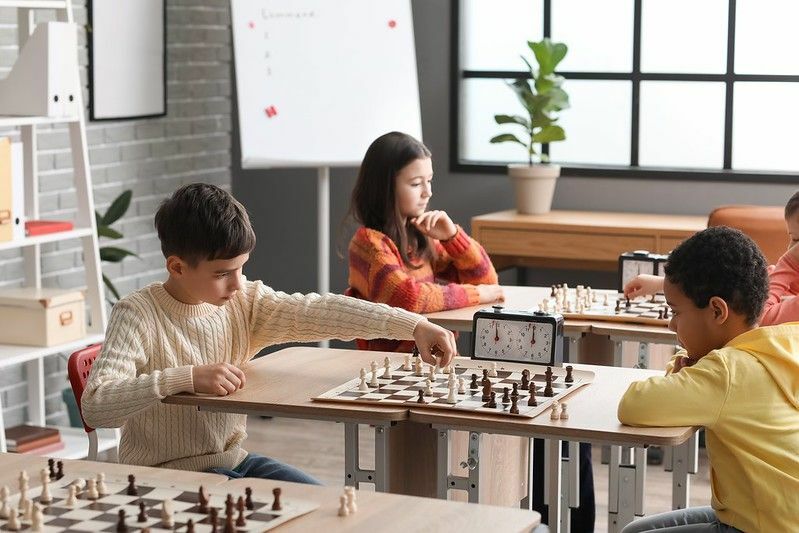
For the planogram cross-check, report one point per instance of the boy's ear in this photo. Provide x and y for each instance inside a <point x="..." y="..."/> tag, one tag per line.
<point x="175" y="266"/>
<point x="719" y="309"/>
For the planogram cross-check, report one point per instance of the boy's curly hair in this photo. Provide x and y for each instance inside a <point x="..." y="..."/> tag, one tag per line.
<point x="723" y="262"/>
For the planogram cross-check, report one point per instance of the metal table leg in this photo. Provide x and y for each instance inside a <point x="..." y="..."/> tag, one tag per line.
<point x="684" y="461"/>
<point x="445" y="481"/>
<point x="552" y="480"/>
<point x="354" y="475"/>
<point x="626" y="480"/>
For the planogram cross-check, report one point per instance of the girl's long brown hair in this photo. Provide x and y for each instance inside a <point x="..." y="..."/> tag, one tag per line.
<point x="373" y="204"/>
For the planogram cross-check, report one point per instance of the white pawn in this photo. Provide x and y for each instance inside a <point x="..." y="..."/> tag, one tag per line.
<point x="352" y="506"/>
<point x="102" y="489"/>
<point x="45" y="496"/>
<point x="564" y="414"/>
<point x="36" y="518"/>
<point x="362" y="386"/>
<point x="428" y="390"/>
<point x="342" y="508"/>
<point x="71" y="496"/>
<point x="91" y="489"/>
<point x="606" y="301"/>
<point x="79" y="484"/>
<point x="4" y="505"/>
<point x="446" y="370"/>
<point x="13" y="521"/>
<point x="407" y="364"/>
<point x="461" y="386"/>
<point x="452" y="397"/>
<point x="28" y="510"/>
<point x="452" y="379"/>
<point x="166" y="514"/>
<point x="492" y="370"/>
<point x="387" y="368"/>
<point x="555" y="414"/>
<point x="417" y="368"/>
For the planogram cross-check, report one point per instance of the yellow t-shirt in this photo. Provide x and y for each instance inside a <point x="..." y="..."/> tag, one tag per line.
<point x="746" y="395"/>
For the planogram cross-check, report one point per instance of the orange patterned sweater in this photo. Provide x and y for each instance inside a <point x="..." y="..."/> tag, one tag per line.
<point x="378" y="274"/>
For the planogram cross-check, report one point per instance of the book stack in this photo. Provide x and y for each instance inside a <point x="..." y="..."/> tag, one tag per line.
<point x="35" y="440"/>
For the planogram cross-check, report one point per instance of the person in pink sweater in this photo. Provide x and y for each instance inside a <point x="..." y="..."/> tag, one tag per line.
<point x="783" y="281"/>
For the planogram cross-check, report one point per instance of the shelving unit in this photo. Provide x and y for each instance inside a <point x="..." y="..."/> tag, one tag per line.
<point x="85" y="230"/>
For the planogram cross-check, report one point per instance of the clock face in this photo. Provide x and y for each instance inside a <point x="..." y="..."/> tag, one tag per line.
<point x="513" y="340"/>
<point x="632" y="268"/>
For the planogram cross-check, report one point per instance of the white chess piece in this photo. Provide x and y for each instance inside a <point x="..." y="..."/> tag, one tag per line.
<point x="606" y="300"/>
<point x="452" y="397"/>
<point x="91" y="489"/>
<point x="26" y="513"/>
<point x="71" y="496"/>
<point x="407" y="364"/>
<point x="492" y="370"/>
<point x="362" y="386"/>
<point x="428" y="389"/>
<point x="167" y="516"/>
<point x="386" y="368"/>
<point x="451" y="379"/>
<point x="461" y="386"/>
<point x="417" y="368"/>
<point x="431" y="373"/>
<point x="352" y="506"/>
<point x="13" y="521"/>
<point x="45" y="497"/>
<point x="79" y="484"/>
<point x="102" y="489"/>
<point x="555" y="415"/>
<point x="36" y="517"/>
<point x="564" y="414"/>
<point x="23" y="499"/>
<point x="342" y="508"/>
<point x="373" y="382"/>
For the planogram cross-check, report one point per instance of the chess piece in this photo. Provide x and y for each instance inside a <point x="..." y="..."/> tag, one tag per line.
<point x="142" y="513"/>
<point x="515" y="392"/>
<point x="132" y="490"/>
<point x="79" y="484"/>
<point x="428" y="389"/>
<point x="373" y="382"/>
<point x="45" y="497"/>
<point x="548" y="392"/>
<point x="4" y="502"/>
<point x="121" y="526"/>
<point x="531" y="400"/>
<point x="627" y="303"/>
<point x="248" y="498"/>
<point x="23" y="488"/>
<point x="102" y="489"/>
<point x="202" y="499"/>
<point x="606" y="300"/>
<point x="452" y="397"/>
<point x="213" y="516"/>
<point x="27" y="510"/>
<point x="342" y="509"/>
<point x="59" y="470"/>
<point x="386" y="368"/>
<point x="461" y="386"/>
<point x="420" y="399"/>
<point x="452" y="380"/>
<point x="276" y="505"/>
<point x="240" y="521"/>
<point x="505" y="396"/>
<point x="514" y="404"/>
<point x="13" y="520"/>
<point x="618" y="306"/>
<point x="486" y="391"/>
<point x="23" y="500"/>
<point x="91" y="489"/>
<point x="51" y="468"/>
<point x="190" y="526"/>
<point x="525" y="378"/>
<point x="555" y="414"/>
<point x="660" y="314"/>
<point x="352" y="506"/>
<point x="167" y="516"/>
<point x="552" y="293"/>
<point x="417" y="368"/>
<point x="564" y="414"/>
<point x="229" y="526"/>
<point x="37" y="517"/>
<point x="446" y="370"/>
<point x="431" y="373"/>
<point x="492" y="371"/>
<point x="407" y="364"/>
<point x="569" y="376"/>
<point x="492" y="402"/>
<point x="485" y="376"/>
<point x="473" y="385"/>
<point x="71" y="496"/>
<point x="362" y="386"/>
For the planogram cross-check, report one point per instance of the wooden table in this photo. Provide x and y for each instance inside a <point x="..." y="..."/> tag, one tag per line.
<point x="588" y="240"/>
<point x="592" y="419"/>
<point x="393" y="512"/>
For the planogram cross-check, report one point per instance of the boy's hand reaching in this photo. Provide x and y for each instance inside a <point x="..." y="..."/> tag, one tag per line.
<point x="643" y="285"/>
<point x="434" y="342"/>
<point x="218" y="378"/>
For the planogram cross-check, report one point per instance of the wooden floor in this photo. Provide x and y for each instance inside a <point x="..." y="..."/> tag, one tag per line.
<point x="318" y="448"/>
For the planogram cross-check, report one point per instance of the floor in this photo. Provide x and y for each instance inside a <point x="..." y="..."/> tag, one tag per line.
<point x="318" y="448"/>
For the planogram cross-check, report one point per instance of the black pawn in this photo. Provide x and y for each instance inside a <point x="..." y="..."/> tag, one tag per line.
<point x="240" y="521"/>
<point x="202" y="500"/>
<point x="569" y="377"/>
<point x="132" y="490"/>
<point x="190" y="526"/>
<point x="276" y="505"/>
<point x="531" y="401"/>
<point x="666" y="312"/>
<point x="142" y="514"/>
<point x="51" y="468"/>
<point x="515" y="392"/>
<point x="59" y="470"/>
<point x="660" y="314"/>
<point x="486" y="391"/>
<point x="121" y="527"/>
<point x="420" y="399"/>
<point x="248" y="498"/>
<point x="213" y="515"/>
<point x="618" y="306"/>
<point x="525" y="378"/>
<point x="485" y="377"/>
<point x="514" y="405"/>
<point x="505" y="396"/>
<point x="552" y="292"/>
<point x="473" y="385"/>
<point x="492" y="402"/>
<point x="627" y="304"/>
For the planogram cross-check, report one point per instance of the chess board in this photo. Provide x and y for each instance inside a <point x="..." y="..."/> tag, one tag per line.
<point x="102" y="514"/>
<point x="403" y="389"/>
<point x="641" y="311"/>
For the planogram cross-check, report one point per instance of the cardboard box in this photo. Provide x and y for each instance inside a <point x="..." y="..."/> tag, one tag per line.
<point x="41" y="317"/>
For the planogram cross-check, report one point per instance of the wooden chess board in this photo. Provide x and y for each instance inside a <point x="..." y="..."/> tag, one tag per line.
<point x="641" y="310"/>
<point x="102" y="514"/>
<point x="403" y="389"/>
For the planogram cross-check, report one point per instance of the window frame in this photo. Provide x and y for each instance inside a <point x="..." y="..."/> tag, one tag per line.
<point x="632" y="171"/>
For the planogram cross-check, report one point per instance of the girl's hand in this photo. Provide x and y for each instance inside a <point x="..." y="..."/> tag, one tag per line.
<point x="436" y="225"/>
<point x="490" y="294"/>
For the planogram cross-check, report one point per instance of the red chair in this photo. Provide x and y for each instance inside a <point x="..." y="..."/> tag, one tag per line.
<point x="78" y="369"/>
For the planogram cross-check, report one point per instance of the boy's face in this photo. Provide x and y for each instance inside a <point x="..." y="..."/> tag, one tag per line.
<point x="414" y="187"/>
<point x="699" y="331"/>
<point x="214" y="282"/>
<point x="793" y="228"/>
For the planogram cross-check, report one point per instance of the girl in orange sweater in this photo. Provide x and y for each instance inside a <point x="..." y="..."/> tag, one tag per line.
<point x="404" y="255"/>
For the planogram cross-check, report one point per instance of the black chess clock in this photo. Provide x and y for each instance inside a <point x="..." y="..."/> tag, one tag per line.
<point x="532" y="337"/>
<point x="638" y="262"/>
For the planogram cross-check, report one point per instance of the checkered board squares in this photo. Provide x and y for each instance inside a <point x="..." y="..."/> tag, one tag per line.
<point x="403" y="389"/>
<point x="102" y="514"/>
<point x="641" y="311"/>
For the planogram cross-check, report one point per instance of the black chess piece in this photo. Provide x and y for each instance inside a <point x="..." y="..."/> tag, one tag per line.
<point x="486" y="391"/>
<point x="132" y="490"/>
<point x="492" y="401"/>
<point x="525" y="378"/>
<point x="515" y="392"/>
<point x="142" y="513"/>
<point x="248" y="498"/>
<point x="59" y="470"/>
<point x="618" y="306"/>
<point x="548" y="385"/>
<point x="51" y="468"/>
<point x="420" y="399"/>
<point x="121" y="526"/>
<point x="213" y="516"/>
<point x="190" y="526"/>
<point x="531" y="401"/>
<point x="473" y="385"/>
<point x="240" y="521"/>
<point x="505" y="396"/>
<point x="628" y="304"/>
<point x="569" y="376"/>
<point x="514" y="405"/>
<point x="485" y="377"/>
<point x="276" y="505"/>
<point x="552" y="292"/>
<point x="202" y="500"/>
<point x="660" y="314"/>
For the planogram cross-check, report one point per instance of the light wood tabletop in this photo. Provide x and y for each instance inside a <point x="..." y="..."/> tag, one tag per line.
<point x="12" y="463"/>
<point x="392" y="512"/>
<point x="592" y="415"/>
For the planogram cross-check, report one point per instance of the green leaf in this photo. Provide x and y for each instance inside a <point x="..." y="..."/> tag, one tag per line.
<point x="512" y="119"/>
<point x="507" y="137"/>
<point x="524" y="92"/>
<point x="549" y="134"/>
<point x="114" y="255"/>
<point x="548" y="54"/>
<point x="118" y="208"/>
<point x="110" y="286"/>
<point x="105" y="231"/>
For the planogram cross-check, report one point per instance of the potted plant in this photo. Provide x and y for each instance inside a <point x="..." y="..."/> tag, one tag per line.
<point x="542" y="97"/>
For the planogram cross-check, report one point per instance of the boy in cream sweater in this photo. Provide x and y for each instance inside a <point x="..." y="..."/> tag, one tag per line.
<point x="193" y="333"/>
<point x="738" y="381"/>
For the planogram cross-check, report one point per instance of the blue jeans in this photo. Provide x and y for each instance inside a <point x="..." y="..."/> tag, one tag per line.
<point x="255" y="465"/>
<point x="691" y="520"/>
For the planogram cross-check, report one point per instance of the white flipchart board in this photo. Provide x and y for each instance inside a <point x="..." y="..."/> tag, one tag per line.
<point x="318" y="80"/>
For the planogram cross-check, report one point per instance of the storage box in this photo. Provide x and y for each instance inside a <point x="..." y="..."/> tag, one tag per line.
<point x="41" y="317"/>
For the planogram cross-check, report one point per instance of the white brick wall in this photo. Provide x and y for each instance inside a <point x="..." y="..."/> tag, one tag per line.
<point x="152" y="157"/>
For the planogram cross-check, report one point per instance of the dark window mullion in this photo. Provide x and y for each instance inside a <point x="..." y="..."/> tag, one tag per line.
<point x="547" y="33"/>
<point x="729" y="84"/>
<point x="635" y="114"/>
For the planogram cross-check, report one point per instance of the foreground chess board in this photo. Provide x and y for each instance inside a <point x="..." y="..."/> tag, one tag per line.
<point x="603" y="306"/>
<point x="403" y="389"/>
<point x="102" y="514"/>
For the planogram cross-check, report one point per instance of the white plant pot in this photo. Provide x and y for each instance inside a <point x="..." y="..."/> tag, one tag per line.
<point x="534" y="186"/>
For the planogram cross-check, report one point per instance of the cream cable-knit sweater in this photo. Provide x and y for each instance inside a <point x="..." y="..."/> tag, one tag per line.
<point x="153" y="341"/>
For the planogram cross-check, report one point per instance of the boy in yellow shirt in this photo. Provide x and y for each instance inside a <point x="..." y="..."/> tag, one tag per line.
<point x="739" y="381"/>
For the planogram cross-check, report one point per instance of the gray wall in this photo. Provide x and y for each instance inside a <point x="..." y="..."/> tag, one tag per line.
<point x="152" y="157"/>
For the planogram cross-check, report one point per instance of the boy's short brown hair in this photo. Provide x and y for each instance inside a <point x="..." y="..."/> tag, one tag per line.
<point x="202" y="221"/>
<point x="792" y="206"/>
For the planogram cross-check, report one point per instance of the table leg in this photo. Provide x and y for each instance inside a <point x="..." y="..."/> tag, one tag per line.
<point x="684" y="461"/>
<point x="552" y="482"/>
<point x="445" y="480"/>
<point x="643" y="355"/>
<point x="626" y="479"/>
<point x="354" y="475"/>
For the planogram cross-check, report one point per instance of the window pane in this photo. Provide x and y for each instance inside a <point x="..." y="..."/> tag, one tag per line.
<point x="481" y="100"/>
<point x="684" y="36"/>
<point x="766" y="40"/>
<point x="599" y="34"/>
<point x="597" y="124"/>
<point x="682" y="124"/>
<point x="494" y="34"/>
<point x="762" y="138"/>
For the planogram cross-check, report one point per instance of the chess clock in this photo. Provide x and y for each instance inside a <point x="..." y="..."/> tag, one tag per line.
<point x="531" y="337"/>
<point x="638" y="262"/>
